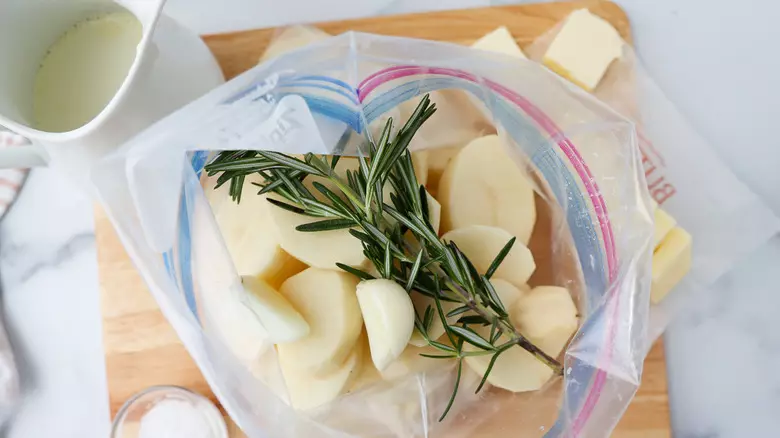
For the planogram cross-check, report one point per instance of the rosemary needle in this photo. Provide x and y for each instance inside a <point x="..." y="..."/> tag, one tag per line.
<point x="428" y="266"/>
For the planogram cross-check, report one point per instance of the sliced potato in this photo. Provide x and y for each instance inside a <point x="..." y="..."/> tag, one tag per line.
<point x="420" y="164"/>
<point x="508" y="293"/>
<point x="481" y="244"/>
<point x="279" y="318"/>
<point x="410" y="362"/>
<point x="247" y="229"/>
<point x="438" y="159"/>
<point x="483" y="185"/>
<point x="328" y="303"/>
<point x="547" y="316"/>
<point x="436" y="330"/>
<point x="322" y="249"/>
<point x="308" y="391"/>
<point x="515" y="370"/>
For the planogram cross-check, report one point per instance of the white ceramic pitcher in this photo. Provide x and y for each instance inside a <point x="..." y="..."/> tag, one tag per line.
<point x="172" y="66"/>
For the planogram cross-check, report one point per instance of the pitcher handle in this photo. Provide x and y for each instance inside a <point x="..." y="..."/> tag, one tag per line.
<point x="18" y="152"/>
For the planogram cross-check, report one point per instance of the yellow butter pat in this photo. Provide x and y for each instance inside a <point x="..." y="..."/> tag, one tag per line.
<point x="671" y="261"/>
<point x="583" y="49"/>
<point x="664" y="223"/>
<point x="499" y="41"/>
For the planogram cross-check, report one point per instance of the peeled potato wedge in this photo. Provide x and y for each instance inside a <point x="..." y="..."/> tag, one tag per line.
<point x="342" y="166"/>
<point x="248" y="231"/>
<point x="515" y="370"/>
<point x="420" y="164"/>
<point x="483" y="185"/>
<point x="309" y="391"/>
<point x="410" y="362"/>
<point x="389" y="318"/>
<point x="436" y="330"/>
<point x="326" y="299"/>
<point x="481" y="244"/>
<point x="279" y="318"/>
<point x="508" y="293"/>
<point x="547" y="316"/>
<point x="322" y="249"/>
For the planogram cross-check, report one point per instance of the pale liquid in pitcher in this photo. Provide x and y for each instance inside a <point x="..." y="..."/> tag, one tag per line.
<point x="83" y="70"/>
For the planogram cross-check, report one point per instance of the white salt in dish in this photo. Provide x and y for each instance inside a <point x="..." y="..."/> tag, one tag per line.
<point x="168" y="412"/>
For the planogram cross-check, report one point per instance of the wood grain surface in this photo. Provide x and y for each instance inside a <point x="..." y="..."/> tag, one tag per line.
<point x="142" y="349"/>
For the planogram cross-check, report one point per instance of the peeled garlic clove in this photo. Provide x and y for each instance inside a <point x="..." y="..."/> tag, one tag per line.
<point x="389" y="318"/>
<point x="279" y="318"/>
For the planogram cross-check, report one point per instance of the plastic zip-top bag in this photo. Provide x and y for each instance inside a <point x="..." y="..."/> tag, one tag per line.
<point x="582" y="205"/>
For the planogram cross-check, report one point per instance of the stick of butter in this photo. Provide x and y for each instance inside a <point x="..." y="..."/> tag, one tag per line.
<point x="500" y="41"/>
<point x="671" y="261"/>
<point x="664" y="223"/>
<point x="583" y="49"/>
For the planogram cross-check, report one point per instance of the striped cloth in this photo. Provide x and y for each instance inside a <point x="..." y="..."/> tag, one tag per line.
<point x="11" y="180"/>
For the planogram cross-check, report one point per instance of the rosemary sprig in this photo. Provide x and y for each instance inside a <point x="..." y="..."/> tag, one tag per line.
<point x="424" y="264"/>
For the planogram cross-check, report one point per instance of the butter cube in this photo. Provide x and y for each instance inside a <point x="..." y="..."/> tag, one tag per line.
<point x="583" y="49"/>
<point x="671" y="261"/>
<point x="500" y="41"/>
<point x="664" y="223"/>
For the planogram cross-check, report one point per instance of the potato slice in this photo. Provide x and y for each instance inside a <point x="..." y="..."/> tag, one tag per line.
<point x="248" y="231"/>
<point x="481" y="244"/>
<point x="508" y="293"/>
<point x="438" y="159"/>
<point x="279" y="318"/>
<point x="420" y="164"/>
<point x="327" y="301"/>
<point x="547" y="316"/>
<point x="436" y="330"/>
<point x="389" y="318"/>
<point x="515" y="370"/>
<point x="342" y="166"/>
<point x="483" y="185"/>
<point x="322" y="249"/>
<point x="410" y="362"/>
<point x="309" y="391"/>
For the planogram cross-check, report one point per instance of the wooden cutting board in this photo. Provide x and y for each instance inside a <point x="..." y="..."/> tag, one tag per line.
<point x="141" y="348"/>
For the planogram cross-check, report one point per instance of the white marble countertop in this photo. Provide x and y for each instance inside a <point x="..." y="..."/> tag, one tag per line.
<point x="712" y="58"/>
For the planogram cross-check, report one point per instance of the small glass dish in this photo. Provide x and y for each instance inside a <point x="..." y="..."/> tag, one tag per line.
<point x="127" y="423"/>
